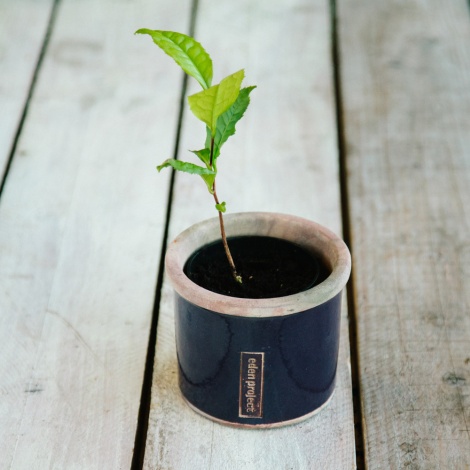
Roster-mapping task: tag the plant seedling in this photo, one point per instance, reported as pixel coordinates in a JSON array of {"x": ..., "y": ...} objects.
[{"x": 219, "y": 106}]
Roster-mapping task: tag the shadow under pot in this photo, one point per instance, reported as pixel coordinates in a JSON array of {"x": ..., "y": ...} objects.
[{"x": 263, "y": 353}]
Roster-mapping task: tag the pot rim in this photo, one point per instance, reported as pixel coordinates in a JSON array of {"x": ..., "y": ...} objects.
[{"x": 309, "y": 234}]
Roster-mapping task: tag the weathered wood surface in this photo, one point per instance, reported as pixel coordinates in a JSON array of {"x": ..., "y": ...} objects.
[
  {"x": 284, "y": 158},
  {"x": 23, "y": 26},
  {"x": 406, "y": 88},
  {"x": 81, "y": 222},
  {"x": 82, "y": 216}
]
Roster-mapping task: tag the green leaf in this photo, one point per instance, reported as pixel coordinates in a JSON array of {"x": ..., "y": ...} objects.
[
  {"x": 205, "y": 173},
  {"x": 227, "y": 121},
  {"x": 186, "y": 52},
  {"x": 208, "y": 105},
  {"x": 221, "y": 207},
  {"x": 186, "y": 167},
  {"x": 204, "y": 155},
  {"x": 209, "y": 180}
]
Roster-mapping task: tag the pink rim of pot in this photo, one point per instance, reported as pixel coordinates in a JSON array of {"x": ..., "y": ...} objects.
[{"x": 305, "y": 233}]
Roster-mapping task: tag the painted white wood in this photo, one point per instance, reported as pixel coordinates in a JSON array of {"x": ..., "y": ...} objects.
[
  {"x": 81, "y": 222},
  {"x": 283, "y": 158},
  {"x": 406, "y": 82},
  {"x": 23, "y": 26}
]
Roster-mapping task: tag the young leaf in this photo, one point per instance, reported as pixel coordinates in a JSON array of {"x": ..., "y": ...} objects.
[
  {"x": 205, "y": 173},
  {"x": 227, "y": 121},
  {"x": 204, "y": 155},
  {"x": 186, "y": 52},
  {"x": 186, "y": 167},
  {"x": 209, "y": 180},
  {"x": 221, "y": 207},
  {"x": 208, "y": 105}
]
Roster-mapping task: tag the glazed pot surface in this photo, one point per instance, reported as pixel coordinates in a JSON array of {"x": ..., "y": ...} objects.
[{"x": 257, "y": 371}]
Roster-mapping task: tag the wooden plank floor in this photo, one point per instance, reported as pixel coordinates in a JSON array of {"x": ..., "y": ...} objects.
[
  {"x": 406, "y": 88},
  {"x": 362, "y": 121},
  {"x": 81, "y": 223},
  {"x": 21, "y": 48}
]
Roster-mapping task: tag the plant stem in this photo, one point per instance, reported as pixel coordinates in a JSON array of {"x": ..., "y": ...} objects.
[
  {"x": 236, "y": 276},
  {"x": 212, "y": 151}
]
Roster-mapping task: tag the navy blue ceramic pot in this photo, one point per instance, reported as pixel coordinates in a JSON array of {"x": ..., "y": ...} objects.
[{"x": 258, "y": 362}]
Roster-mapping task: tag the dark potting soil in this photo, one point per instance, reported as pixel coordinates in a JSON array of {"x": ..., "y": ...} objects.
[{"x": 270, "y": 267}]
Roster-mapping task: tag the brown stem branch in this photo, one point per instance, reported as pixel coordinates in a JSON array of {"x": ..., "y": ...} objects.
[{"x": 236, "y": 276}]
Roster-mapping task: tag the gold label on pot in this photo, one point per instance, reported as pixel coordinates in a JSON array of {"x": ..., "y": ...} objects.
[{"x": 251, "y": 385}]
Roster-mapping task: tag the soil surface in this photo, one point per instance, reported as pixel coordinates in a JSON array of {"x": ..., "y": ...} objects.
[{"x": 270, "y": 267}]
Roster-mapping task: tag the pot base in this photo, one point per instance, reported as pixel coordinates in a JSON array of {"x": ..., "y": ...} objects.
[{"x": 261, "y": 426}]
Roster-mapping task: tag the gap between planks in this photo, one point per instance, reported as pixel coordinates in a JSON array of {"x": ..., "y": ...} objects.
[{"x": 346, "y": 223}]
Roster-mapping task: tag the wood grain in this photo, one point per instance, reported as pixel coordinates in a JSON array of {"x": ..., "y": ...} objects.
[
  {"x": 81, "y": 223},
  {"x": 406, "y": 81},
  {"x": 284, "y": 158},
  {"x": 23, "y": 27}
]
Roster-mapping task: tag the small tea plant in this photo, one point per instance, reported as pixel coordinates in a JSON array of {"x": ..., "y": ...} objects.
[{"x": 220, "y": 107}]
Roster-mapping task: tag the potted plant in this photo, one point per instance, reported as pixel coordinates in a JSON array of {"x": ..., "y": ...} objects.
[{"x": 258, "y": 295}]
